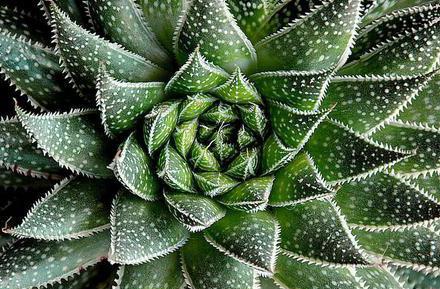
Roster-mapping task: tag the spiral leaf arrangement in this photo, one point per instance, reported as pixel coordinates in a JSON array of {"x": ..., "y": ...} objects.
[{"x": 228, "y": 144}]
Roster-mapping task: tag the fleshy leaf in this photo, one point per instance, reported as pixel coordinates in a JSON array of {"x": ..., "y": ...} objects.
[
  {"x": 377, "y": 278},
  {"x": 429, "y": 183},
  {"x": 70, "y": 7},
  {"x": 133, "y": 169},
  {"x": 221, "y": 40},
  {"x": 160, "y": 124},
  {"x": 184, "y": 136},
  {"x": 366, "y": 103},
  {"x": 244, "y": 137},
  {"x": 320, "y": 40},
  {"x": 223, "y": 149},
  {"x": 214, "y": 183},
  {"x": 317, "y": 230},
  {"x": 294, "y": 127},
  {"x": 203, "y": 159},
  {"x": 383, "y": 200},
  {"x": 249, "y": 238},
  {"x": 31, "y": 263},
  {"x": 275, "y": 154},
  {"x": 164, "y": 272},
  {"x": 75, "y": 140},
  {"x": 174, "y": 170},
  {"x": 197, "y": 75},
  {"x": 238, "y": 90},
  {"x": 143, "y": 231},
  {"x": 302, "y": 90},
  {"x": 123, "y": 103},
  {"x": 205, "y": 131},
  {"x": 76, "y": 207},
  {"x": 122, "y": 22},
  {"x": 195, "y": 212},
  {"x": 82, "y": 54},
  {"x": 12, "y": 180},
  {"x": 250, "y": 196},
  {"x": 221, "y": 113},
  {"x": 204, "y": 267},
  {"x": 254, "y": 118},
  {"x": 245, "y": 165},
  {"x": 341, "y": 155},
  {"x": 297, "y": 182},
  {"x": 194, "y": 106}
]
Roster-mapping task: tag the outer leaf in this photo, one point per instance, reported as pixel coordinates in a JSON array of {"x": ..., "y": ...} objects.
[
  {"x": 275, "y": 154},
  {"x": 195, "y": 212},
  {"x": 249, "y": 238},
  {"x": 122, "y": 103},
  {"x": 74, "y": 208},
  {"x": 12, "y": 180},
  {"x": 184, "y": 136},
  {"x": 133, "y": 169},
  {"x": 250, "y": 196},
  {"x": 31, "y": 263},
  {"x": 205, "y": 267},
  {"x": 194, "y": 106},
  {"x": 254, "y": 118},
  {"x": 164, "y": 272},
  {"x": 73, "y": 139},
  {"x": 245, "y": 165},
  {"x": 220, "y": 40},
  {"x": 377, "y": 278},
  {"x": 214, "y": 183},
  {"x": 320, "y": 40},
  {"x": 428, "y": 183},
  {"x": 143, "y": 231}
]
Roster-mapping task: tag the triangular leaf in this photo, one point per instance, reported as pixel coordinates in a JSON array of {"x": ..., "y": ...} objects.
[
  {"x": 214, "y": 183},
  {"x": 143, "y": 231},
  {"x": 245, "y": 165},
  {"x": 221, "y": 113},
  {"x": 254, "y": 118},
  {"x": 244, "y": 137},
  {"x": 275, "y": 154},
  {"x": 184, "y": 136},
  {"x": 203, "y": 159},
  {"x": 12, "y": 180},
  {"x": 194, "y": 106},
  {"x": 377, "y": 278},
  {"x": 429, "y": 183}
]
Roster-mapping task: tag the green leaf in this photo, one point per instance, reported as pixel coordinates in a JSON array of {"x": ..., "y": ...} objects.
[
  {"x": 297, "y": 182},
  {"x": 17, "y": 152},
  {"x": 292, "y": 126},
  {"x": 254, "y": 118},
  {"x": 245, "y": 165},
  {"x": 384, "y": 200},
  {"x": 74, "y": 208},
  {"x": 220, "y": 40},
  {"x": 412, "y": 53},
  {"x": 12, "y": 180},
  {"x": 221, "y": 113},
  {"x": 194, "y": 106},
  {"x": 414, "y": 279},
  {"x": 122, "y": 22},
  {"x": 268, "y": 283},
  {"x": 275, "y": 154},
  {"x": 195, "y": 212},
  {"x": 302, "y": 90},
  {"x": 429, "y": 183},
  {"x": 82, "y": 53},
  {"x": 159, "y": 125},
  {"x": 301, "y": 274},
  {"x": 244, "y": 138},
  {"x": 123, "y": 103},
  {"x": 377, "y": 278},
  {"x": 205, "y": 131},
  {"x": 203, "y": 159},
  {"x": 34, "y": 70},
  {"x": 164, "y": 272},
  {"x": 320, "y": 40},
  {"x": 204, "y": 267},
  {"x": 184, "y": 136},
  {"x": 31, "y": 263},
  {"x": 238, "y": 90},
  {"x": 133, "y": 169},
  {"x": 70, "y": 7},
  {"x": 143, "y": 231},
  {"x": 249, "y": 238},
  {"x": 197, "y": 75},
  {"x": 351, "y": 156},
  {"x": 317, "y": 230},
  {"x": 74, "y": 139},
  {"x": 223, "y": 149},
  {"x": 214, "y": 183},
  {"x": 250, "y": 196},
  {"x": 174, "y": 170},
  {"x": 367, "y": 103}
]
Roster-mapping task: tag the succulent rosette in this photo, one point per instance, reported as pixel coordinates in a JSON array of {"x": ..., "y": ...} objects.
[{"x": 228, "y": 144}]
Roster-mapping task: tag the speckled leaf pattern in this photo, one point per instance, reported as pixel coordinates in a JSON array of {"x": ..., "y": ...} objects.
[
  {"x": 195, "y": 212},
  {"x": 142, "y": 231},
  {"x": 221, "y": 40},
  {"x": 184, "y": 136},
  {"x": 80, "y": 49},
  {"x": 250, "y": 196},
  {"x": 122, "y": 21},
  {"x": 238, "y": 90},
  {"x": 223, "y": 272},
  {"x": 317, "y": 230},
  {"x": 12, "y": 180},
  {"x": 254, "y": 118},
  {"x": 197, "y": 75},
  {"x": 194, "y": 106},
  {"x": 297, "y": 182},
  {"x": 275, "y": 154},
  {"x": 122, "y": 103},
  {"x": 86, "y": 201},
  {"x": 201, "y": 158},
  {"x": 249, "y": 238},
  {"x": 245, "y": 165},
  {"x": 320, "y": 40},
  {"x": 133, "y": 168},
  {"x": 24, "y": 265},
  {"x": 245, "y": 137},
  {"x": 221, "y": 113},
  {"x": 376, "y": 278},
  {"x": 214, "y": 183},
  {"x": 162, "y": 273},
  {"x": 73, "y": 139}
]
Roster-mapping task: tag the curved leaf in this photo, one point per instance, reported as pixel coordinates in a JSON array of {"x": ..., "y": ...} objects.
[
  {"x": 275, "y": 154},
  {"x": 184, "y": 136},
  {"x": 245, "y": 165},
  {"x": 214, "y": 183},
  {"x": 203, "y": 159},
  {"x": 194, "y": 106},
  {"x": 254, "y": 118}
]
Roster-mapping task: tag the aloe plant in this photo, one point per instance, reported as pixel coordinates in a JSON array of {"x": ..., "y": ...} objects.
[{"x": 228, "y": 144}]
